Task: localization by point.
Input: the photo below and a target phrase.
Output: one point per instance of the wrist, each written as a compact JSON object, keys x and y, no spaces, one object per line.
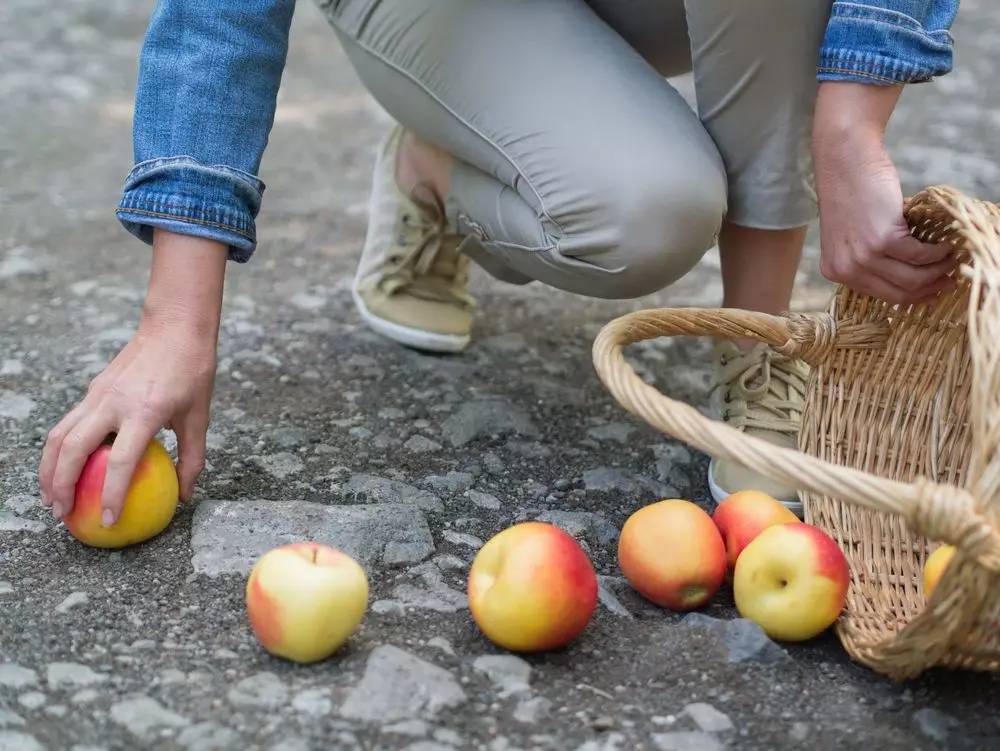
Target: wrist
{"x":855,"y":113}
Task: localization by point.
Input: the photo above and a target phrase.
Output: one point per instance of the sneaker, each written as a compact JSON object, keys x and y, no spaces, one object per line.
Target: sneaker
{"x":410,"y":285}
{"x":761,"y":393}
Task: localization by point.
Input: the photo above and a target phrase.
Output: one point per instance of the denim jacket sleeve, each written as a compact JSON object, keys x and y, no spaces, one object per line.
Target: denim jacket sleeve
{"x":209,"y":73}
{"x":888,"y":41}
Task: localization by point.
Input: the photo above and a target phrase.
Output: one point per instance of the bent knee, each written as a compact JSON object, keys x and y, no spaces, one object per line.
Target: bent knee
{"x":652,"y":233}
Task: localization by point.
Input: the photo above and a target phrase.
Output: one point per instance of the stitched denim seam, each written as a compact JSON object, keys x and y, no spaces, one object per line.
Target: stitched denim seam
{"x":853,"y":72}
{"x":180,"y":218}
{"x":381,"y":58}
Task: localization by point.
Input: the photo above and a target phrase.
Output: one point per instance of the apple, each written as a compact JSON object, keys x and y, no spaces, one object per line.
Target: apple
{"x":150,"y":502}
{"x":532,"y":588}
{"x":744,"y":515}
{"x":935,"y":566}
{"x":672,"y":554}
{"x":792,"y":581}
{"x":305,"y":599}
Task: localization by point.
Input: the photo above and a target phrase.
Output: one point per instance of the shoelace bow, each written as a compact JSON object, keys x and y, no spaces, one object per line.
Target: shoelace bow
{"x":430,"y":266}
{"x":771,"y":386}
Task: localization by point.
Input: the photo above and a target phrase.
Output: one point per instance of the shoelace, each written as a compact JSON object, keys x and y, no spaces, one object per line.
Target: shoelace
{"x":430,"y":266}
{"x":768,"y":388}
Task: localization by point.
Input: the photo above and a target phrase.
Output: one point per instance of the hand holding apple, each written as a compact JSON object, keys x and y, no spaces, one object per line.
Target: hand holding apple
{"x":532,"y":588}
{"x":305,"y":600}
{"x":149,"y":507}
{"x":672,"y":554}
{"x":792,"y":581}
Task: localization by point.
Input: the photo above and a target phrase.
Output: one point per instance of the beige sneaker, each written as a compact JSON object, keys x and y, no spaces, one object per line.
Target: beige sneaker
{"x":762,"y":393}
{"x":410,"y":285}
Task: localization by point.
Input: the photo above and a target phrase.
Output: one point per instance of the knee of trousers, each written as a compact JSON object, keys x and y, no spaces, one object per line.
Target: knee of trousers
{"x":648,"y":234}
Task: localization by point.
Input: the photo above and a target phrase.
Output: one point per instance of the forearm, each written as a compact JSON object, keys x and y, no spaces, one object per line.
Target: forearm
{"x":185,"y":284}
{"x":208,"y":80}
{"x":846,"y":109}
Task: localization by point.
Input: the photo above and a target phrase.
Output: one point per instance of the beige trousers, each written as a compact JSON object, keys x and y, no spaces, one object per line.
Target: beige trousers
{"x":576,"y":163}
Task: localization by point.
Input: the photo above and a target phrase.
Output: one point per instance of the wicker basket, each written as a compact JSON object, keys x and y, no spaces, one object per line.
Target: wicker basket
{"x":899,"y":441}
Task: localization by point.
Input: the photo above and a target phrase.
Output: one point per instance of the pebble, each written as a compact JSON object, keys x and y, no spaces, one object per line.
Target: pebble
{"x":16,"y":677}
{"x":452,"y":483}
{"x":72,"y":675}
{"x":708,"y":718}
{"x":261,"y":691}
{"x":744,"y":640}
{"x":799,"y":732}
{"x":142,"y":715}
{"x":9,"y":719}
{"x":484,"y":418}
{"x":209,"y":736}
{"x":509,"y":673}
{"x":281,"y":465}
{"x":441,"y":643}
{"x":313,"y":701}
{"x":419,"y":444}
{"x":32,"y":700}
{"x":16,"y":406}
{"x":10,"y":367}
{"x":388,"y":607}
{"x":483,"y":500}
{"x":612,"y":479}
{"x":532,"y":709}
{"x":13,"y":740}
{"x":288,"y":438}
{"x":412,"y":728}
{"x":581,"y":524}
{"x":460,"y":538}
{"x":84,"y":696}
{"x":399,"y":686}
{"x":609,"y":599}
{"x":75,"y":599}
{"x":228,"y":537}
{"x":6,"y":588}
{"x":934,"y":724}
{"x":615,"y":431}
{"x":435,"y":595}
{"x":366,"y":488}
{"x":686,"y":741}
{"x":492,"y":463}
{"x":13,"y":523}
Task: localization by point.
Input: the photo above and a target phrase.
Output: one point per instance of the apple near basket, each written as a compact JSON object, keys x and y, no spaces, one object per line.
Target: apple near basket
{"x":899,"y":449}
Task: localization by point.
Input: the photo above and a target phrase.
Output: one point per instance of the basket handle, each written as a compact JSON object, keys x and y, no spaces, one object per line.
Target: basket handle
{"x":937,"y":511}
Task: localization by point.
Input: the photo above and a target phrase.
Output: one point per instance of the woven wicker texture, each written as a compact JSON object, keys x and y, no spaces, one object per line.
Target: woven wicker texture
{"x":899,"y":442}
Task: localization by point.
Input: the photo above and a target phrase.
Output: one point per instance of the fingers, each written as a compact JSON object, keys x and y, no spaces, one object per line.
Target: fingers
{"x":80,"y":442}
{"x":915,"y":280}
{"x":50,"y":453}
{"x":912,"y":251}
{"x":128,"y":448}
{"x":191,"y":433}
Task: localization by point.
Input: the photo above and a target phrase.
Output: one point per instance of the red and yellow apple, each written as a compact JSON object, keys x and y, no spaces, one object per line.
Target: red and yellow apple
{"x":672,"y":554}
{"x":744,"y":515}
{"x":935,"y":566}
{"x":150,"y":502}
{"x":305,"y":599}
{"x":532,"y":588}
{"x":791,"y":581}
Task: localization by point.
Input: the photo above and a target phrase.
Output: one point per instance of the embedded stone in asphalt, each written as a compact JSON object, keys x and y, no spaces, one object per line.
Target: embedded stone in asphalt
{"x":228,"y":536}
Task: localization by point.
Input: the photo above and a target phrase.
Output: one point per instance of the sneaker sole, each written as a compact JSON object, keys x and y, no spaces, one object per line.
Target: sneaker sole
{"x":719,"y":495}
{"x":428,"y":341}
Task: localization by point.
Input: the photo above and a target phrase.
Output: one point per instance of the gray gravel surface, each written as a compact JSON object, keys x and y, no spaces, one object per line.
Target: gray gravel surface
{"x":321,"y":429}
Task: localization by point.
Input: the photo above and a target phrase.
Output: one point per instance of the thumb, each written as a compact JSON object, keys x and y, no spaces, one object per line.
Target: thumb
{"x":191,"y":434}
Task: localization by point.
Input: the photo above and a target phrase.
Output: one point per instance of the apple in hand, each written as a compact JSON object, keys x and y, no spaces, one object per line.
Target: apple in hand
{"x":150,"y":502}
{"x":672,"y":554}
{"x":744,"y":515}
{"x":305,"y":599}
{"x":532,"y":588}
{"x":792,"y":581}
{"x":934,"y":568}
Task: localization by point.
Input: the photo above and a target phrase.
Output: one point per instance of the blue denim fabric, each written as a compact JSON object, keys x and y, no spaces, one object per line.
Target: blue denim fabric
{"x":888,"y":41}
{"x":210,"y":69}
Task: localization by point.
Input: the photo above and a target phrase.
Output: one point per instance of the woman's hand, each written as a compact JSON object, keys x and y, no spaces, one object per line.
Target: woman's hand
{"x":163,"y":378}
{"x":864,"y":238}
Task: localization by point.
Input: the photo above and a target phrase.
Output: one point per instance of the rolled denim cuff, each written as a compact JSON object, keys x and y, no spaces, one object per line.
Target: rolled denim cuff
{"x":874,"y":45}
{"x":185,"y":196}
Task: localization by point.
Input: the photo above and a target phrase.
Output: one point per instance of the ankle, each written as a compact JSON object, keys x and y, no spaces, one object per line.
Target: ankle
{"x":422,"y":164}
